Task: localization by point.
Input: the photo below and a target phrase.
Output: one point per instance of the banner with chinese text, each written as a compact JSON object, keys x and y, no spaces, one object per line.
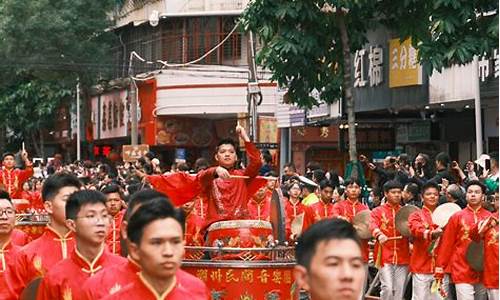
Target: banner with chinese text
{"x":404,"y":69}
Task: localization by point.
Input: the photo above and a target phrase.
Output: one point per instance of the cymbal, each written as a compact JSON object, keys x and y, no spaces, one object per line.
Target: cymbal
{"x":297,"y":224}
{"x":443,"y":213}
{"x":361,"y":223}
{"x":307,"y":181}
{"x":402,"y":219}
{"x":475,"y":255}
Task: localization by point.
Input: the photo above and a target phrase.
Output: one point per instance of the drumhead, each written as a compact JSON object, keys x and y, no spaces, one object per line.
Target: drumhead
{"x":443,"y":213}
{"x":235,"y":224}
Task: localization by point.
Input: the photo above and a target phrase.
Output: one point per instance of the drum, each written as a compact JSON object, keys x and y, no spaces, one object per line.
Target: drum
{"x":240,"y":234}
{"x":32,"y":224}
{"x":21,"y":205}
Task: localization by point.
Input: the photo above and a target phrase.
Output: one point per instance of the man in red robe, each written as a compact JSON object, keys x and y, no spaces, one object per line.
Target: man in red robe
{"x":392,"y":250}
{"x":156,"y":243}
{"x":348,"y":208}
{"x":424,"y":233}
{"x":113,"y":279}
{"x":114,"y":200}
{"x":487,"y":230}
{"x":259,"y":205}
{"x":86,"y":216}
{"x":298,"y":217}
{"x":7,"y":248}
{"x":323,"y":209}
{"x":17,"y":237}
{"x":455,"y":242}
{"x":36,"y":258}
{"x":13,"y":178}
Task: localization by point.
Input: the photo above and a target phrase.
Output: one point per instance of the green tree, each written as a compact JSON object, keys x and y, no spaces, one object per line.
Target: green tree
{"x":45,"y":46}
{"x":308,"y":44}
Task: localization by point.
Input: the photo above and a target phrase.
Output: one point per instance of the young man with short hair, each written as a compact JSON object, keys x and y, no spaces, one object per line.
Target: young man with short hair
{"x":329,"y":261}
{"x":12,"y":178}
{"x":424,"y":233}
{"x":114,"y":200}
{"x":155,"y":232}
{"x":36,"y":258}
{"x":113,"y":279}
{"x":455,"y":242}
{"x":392,"y":251}
{"x":86,"y":216}
{"x":323,"y":209}
{"x":7,"y":223}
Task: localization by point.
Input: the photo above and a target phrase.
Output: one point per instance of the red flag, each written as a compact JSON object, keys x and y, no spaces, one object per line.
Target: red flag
{"x":179,"y":187}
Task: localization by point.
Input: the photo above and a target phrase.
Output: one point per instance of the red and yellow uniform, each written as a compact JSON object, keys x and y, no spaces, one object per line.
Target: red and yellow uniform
{"x":294,"y":210}
{"x":113,"y":239}
{"x":347,"y":209}
{"x":194,"y":234}
{"x":227,"y":198}
{"x":322,"y":210}
{"x":395,"y":251}
{"x":19,"y":237}
{"x":421,"y":226}
{"x":200,"y":206}
{"x":110,"y":280}
{"x":14,"y":179}
{"x":64,"y":280}
{"x":490,"y":270}
{"x":35,"y":259}
{"x":185,"y":286}
{"x":454,"y":243}
{"x":260,"y":210}
{"x":7,"y":254}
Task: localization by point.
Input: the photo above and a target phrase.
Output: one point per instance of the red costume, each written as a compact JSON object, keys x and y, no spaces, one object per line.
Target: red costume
{"x":322,"y":210}
{"x":421,"y":226}
{"x":294,"y":210}
{"x":347,"y":209}
{"x":194,"y":234}
{"x":19,"y":237}
{"x":260,"y":210}
{"x":110,"y":280}
{"x":113,"y":239}
{"x":36,"y":258}
{"x":7,"y":254}
{"x":454,"y":243}
{"x":64,"y":280}
{"x":227,"y":198}
{"x":200,"y":206}
{"x":396,"y":251}
{"x":13,"y":180}
{"x":490,"y":260}
{"x":186,"y":286}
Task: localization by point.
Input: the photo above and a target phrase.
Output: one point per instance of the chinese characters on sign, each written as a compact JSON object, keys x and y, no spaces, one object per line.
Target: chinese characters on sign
{"x":404,"y":69}
{"x":375,"y":66}
{"x":132,"y":153}
{"x":484,"y":65}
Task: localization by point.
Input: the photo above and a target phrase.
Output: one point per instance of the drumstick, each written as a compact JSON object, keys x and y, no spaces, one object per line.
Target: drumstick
{"x":395,"y":238}
{"x":248,"y":177}
{"x":24,"y":148}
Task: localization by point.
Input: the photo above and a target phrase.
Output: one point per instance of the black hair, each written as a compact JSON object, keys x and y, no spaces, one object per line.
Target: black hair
{"x":268,"y":158}
{"x":443,"y":158}
{"x":392,"y":184}
{"x":227,"y":141}
{"x":5,"y":195}
{"x":322,"y":231}
{"x":319,"y":175}
{"x":8,"y":154}
{"x":80,"y":198}
{"x":155,"y":209}
{"x":308,"y":187}
{"x":113,"y":188}
{"x":428,"y":185}
{"x":290,"y":165}
{"x":271,"y":174}
{"x":352,"y":180}
{"x":326,"y":183}
{"x":201,"y":164}
{"x":413,"y":188}
{"x":57,"y":181}
{"x":478,"y":183}
{"x":141,"y":197}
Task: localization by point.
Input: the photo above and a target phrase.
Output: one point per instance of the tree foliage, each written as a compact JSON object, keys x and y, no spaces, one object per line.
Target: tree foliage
{"x":45,"y":45}
{"x":301,"y":41}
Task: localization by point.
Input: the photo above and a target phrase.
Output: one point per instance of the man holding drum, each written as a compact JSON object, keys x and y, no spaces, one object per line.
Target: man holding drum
{"x":424,"y":233}
{"x":455,"y":241}
{"x":391,"y":249}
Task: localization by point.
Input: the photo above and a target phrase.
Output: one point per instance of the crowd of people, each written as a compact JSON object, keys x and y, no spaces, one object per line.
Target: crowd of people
{"x":117,"y":231}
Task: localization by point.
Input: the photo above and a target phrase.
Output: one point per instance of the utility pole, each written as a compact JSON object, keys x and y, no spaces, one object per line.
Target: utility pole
{"x":254,"y":92}
{"x":78,"y":131}
{"x":133,"y":103}
{"x":477,"y":107}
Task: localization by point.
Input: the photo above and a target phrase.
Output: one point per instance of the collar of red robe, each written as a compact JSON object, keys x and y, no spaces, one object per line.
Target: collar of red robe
{"x":62,"y":238}
{"x":475,"y":211}
{"x":90,"y":267}
{"x":150,"y":287}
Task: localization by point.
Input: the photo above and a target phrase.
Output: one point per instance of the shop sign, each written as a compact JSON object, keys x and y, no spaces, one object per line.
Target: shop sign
{"x":404,"y":69}
{"x":375,"y":57}
{"x":419,"y":132}
{"x":133,"y":153}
